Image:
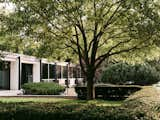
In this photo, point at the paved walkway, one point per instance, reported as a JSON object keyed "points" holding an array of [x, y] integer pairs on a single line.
{"points": [[10, 92], [70, 92]]}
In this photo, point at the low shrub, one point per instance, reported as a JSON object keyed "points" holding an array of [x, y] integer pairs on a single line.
{"points": [[107, 92], [43, 88], [50, 111], [123, 73]]}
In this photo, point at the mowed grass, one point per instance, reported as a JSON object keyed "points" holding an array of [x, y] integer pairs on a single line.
{"points": [[58, 101]]}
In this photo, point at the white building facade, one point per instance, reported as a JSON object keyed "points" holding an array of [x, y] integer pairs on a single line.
{"points": [[18, 69]]}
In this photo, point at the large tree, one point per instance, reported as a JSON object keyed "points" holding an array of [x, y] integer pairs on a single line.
{"points": [[20, 32], [94, 29]]}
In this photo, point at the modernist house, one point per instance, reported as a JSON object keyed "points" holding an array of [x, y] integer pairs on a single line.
{"points": [[17, 69]]}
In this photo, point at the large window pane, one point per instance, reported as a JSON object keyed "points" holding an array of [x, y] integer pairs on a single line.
{"points": [[45, 71], [58, 70], [78, 72], [27, 73], [65, 72], [52, 71], [74, 72], [4, 75], [71, 72]]}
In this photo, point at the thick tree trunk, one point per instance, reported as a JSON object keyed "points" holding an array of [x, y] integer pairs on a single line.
{"points": [[90, 85], [90, 90]]}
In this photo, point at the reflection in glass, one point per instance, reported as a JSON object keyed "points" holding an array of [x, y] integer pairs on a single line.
{"points": [[4, 75], [52, 71], [45, 71]]}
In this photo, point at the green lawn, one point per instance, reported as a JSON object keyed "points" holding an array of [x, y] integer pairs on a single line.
{"points": [[59, 101], [36, 108]]}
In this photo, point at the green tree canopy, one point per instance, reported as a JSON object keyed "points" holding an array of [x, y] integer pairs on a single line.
{"points": [[93, 29]]}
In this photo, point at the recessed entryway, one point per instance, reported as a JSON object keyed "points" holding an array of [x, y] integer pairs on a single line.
{"points": [[5, 75], [27, 73]]}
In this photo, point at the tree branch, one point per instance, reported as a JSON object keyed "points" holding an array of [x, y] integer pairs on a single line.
{"points": [[70, 46], [113, 37], [85, 42], [79, 52], [101, 32]]}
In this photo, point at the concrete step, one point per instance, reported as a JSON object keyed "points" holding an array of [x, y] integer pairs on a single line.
{"points": [[70, 92], [10, 92]]}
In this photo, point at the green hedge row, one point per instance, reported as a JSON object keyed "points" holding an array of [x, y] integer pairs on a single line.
{"points": [[123, 73], [43, 88], [108, 92], [46, 111]]}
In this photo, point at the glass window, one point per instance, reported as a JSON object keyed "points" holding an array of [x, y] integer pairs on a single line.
{"points": [[27, 73], [4, 75], [65, 74], [58, 70], [52, 71], [45, 71], [74, 72], [78, 72], [71, 72]]}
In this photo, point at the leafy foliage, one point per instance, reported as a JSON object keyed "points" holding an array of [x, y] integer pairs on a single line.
{"points": [[48, 111], [93, 29], [43, 88], [21, 31], [123, 73]]}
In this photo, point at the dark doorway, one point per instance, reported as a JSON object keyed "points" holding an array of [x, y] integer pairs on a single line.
{"points": [[4, 75], [27, 73]]}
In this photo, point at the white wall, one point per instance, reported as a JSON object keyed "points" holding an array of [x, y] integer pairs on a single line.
{"points": [[61, 81], [72, 82], [36, 72], [14, 69], [14, 75]]}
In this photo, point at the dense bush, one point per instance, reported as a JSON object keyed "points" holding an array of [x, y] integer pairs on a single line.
{"points": [[43, 88], [145, 100], [50, 111], [107, 92], [123, 73]]}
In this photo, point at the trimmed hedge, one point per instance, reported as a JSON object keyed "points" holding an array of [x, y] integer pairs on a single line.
{"points": [[108, 92], [50, 111], [43, 88], [123, 73]]}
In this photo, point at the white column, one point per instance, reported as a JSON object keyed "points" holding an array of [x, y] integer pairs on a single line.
{"points": [[36, 72], [14, 75]]}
